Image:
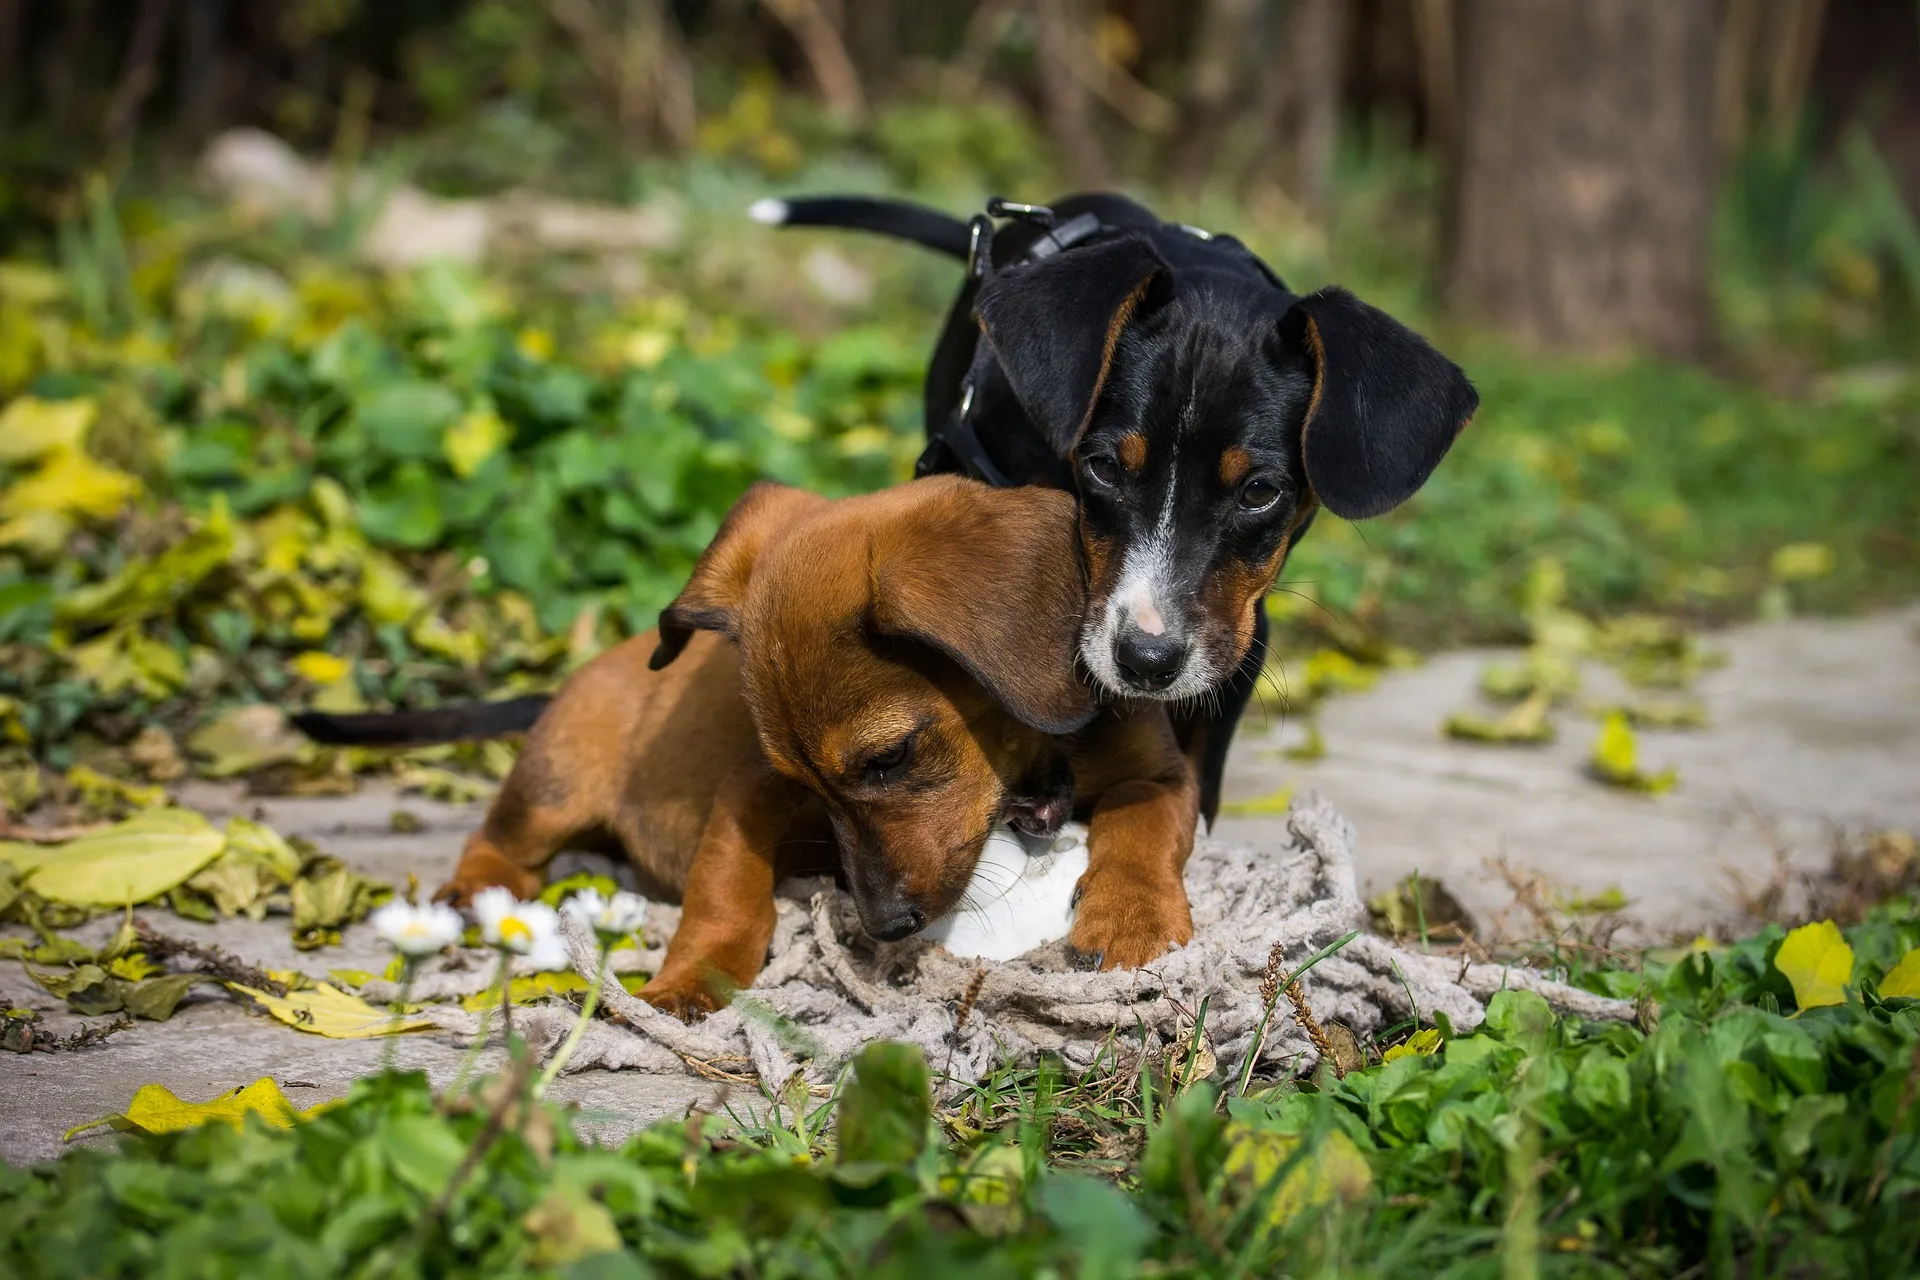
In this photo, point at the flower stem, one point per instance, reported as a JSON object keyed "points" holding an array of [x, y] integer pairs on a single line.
{"points": [[407, 967], [480, 1035], [579, 1026]]}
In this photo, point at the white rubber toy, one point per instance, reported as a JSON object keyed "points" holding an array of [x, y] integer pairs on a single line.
{"points": [[1017, 900]]}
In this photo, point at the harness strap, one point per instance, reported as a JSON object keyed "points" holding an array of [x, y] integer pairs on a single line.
{"points": [[958, 440]]}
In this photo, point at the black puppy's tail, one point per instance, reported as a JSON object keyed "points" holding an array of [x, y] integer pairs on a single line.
{"points": [[902, 218], [422, 728]]}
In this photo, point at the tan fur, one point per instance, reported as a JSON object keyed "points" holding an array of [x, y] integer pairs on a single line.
{"points": [[940, 607]]}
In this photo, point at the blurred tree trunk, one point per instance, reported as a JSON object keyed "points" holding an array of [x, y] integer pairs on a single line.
{"points": [[873, 39], [1316, 53], [815, 27], [200, 66], [11, 15], [1216, 77], [1062, 26], [1584, 171]]}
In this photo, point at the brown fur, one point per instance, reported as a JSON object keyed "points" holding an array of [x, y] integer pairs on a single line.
{"points": [[1133, 451], [1235, 462], [941, 609]]}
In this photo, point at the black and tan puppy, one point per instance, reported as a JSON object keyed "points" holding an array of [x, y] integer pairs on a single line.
{"points": [[900, 679], [1201, 411]]}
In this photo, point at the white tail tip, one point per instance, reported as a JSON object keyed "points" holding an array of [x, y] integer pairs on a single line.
{"points": [[768, 212]]}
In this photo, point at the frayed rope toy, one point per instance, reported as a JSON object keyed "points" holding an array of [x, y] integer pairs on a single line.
{"points": [[828, 989]]}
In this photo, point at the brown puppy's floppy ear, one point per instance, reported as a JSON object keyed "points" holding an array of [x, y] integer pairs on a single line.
{"points": [[1385, 406], [713, 596], [1054, 324], [991, 578]]}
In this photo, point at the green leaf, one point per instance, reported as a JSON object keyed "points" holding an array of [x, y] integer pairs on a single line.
{"points": [[1097, 1222], [405, 511], [422, 1151], [88, 990], [1517, 1017], [157, 998], [886, 1106], [408, 419], [1601, 1083]]}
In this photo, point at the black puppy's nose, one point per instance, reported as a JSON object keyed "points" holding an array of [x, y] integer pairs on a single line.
{"points": [[901, 920], [1148, 663]]}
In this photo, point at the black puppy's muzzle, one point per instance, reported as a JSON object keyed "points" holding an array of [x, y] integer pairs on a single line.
{"points": [[1148, 663]]}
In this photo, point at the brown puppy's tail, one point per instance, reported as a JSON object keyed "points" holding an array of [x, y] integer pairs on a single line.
{"points": [[422, 728]]}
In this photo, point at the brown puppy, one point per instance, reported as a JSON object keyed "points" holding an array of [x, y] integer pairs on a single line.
{"points": [[902, 678]]}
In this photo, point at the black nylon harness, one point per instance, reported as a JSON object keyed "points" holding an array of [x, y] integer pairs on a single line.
{"points": [[958, 438]]}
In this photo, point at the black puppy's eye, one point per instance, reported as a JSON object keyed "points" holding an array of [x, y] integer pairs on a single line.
{"points": [[1103, 469], [1258, 495], [889, 763]]}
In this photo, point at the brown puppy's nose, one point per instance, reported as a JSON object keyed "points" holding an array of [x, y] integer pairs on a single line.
{"points": [[1148, 663], [895, 921]]}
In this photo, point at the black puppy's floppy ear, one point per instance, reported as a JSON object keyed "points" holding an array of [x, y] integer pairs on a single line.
{"points": [[1054, 324], [1385, 406], [991, 578], [714, 595]]}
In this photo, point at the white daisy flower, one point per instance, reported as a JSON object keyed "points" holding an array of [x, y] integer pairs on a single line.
{"points": [[549, 954], [516, 927], [610, 918], [417, 931]]}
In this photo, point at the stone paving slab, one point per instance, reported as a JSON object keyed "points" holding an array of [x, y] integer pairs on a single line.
{"points": [[1814, 727]]}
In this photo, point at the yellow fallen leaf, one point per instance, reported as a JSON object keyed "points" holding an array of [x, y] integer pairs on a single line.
{"points": [[109, 795], [32, 428], [155, 1109], [70, 481], [1816, 960], [1904, 978], [1525, 722], [242, 739], [328, 1011], [1260, 806], [316, 667], [1798, 561], [1615, 759], [1335, 1169], [1420, 1044], [24, 857], [131, 861], [534, 986], [471, 440]]}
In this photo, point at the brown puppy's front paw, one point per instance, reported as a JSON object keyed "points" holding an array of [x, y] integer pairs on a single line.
{"points": [[1123, 923], [687, 1001], [484, 869]]}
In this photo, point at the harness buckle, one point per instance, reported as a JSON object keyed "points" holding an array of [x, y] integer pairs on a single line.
{"points": [[1038, 214]]}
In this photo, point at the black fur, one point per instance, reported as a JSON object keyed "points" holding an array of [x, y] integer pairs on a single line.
{"points": [[1331, 402], [420, 728]]}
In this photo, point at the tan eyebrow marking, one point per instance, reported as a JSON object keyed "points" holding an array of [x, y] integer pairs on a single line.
{"points": [[1234, 465], [1133, 451]]}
